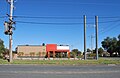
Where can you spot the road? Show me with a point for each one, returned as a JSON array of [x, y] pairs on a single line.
[[47, 71]]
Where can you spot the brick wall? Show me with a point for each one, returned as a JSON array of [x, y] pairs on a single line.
[[27, 49]]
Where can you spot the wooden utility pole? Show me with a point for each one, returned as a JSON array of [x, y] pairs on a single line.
[[9, 28], [84, 37], [96, 23]]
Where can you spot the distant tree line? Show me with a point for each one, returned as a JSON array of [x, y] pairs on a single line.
[[112, 45], [2, 49]]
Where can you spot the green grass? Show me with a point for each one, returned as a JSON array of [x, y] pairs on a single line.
[[63, 62]]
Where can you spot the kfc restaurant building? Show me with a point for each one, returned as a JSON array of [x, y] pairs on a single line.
[[57, 51]]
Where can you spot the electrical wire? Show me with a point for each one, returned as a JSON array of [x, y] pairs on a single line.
[[49, 23], [48, 17], [64, 17], [103, 27], [107, 17], [64, 23], [60, 17], [110, 21], [78, 2], [109, 29], [3, 16]]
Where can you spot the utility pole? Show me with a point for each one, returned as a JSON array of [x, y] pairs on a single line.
[[84, 37], [10, 48], [96, 23], [10, 36], [9, 28]]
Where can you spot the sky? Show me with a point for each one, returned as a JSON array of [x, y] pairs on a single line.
[[60, 21]]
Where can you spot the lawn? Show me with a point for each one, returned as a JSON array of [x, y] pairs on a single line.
[[101, 61]]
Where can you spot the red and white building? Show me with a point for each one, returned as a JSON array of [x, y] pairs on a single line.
[[54, 50], [50, 50]]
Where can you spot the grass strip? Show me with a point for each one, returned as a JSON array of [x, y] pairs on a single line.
[[62, 62]]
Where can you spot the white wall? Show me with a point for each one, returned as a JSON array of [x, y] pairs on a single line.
[[63, 48]]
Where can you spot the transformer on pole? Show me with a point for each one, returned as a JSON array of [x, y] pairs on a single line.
[[8, 28]]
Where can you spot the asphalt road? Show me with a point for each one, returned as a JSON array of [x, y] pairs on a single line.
[[47, 71]]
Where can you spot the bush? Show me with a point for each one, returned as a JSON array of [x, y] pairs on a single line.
[[92, 55]]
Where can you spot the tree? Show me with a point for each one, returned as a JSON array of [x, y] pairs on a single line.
[[43, 44], [73, 55], [100, 51], [75, 52], [88, 50], [2, 49], [20, 54], [119, 37], [118, 45], [43, 55], [110, 44], [38, 55], [113, 46], [106, 43], [32, 54]]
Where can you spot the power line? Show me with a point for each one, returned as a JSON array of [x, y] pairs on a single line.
[[109, 17], [110, 21], [64, 23], [109, 29], [49, 23], [3, 16], [77, 2], [103, 27], [48, 17], [62, 17]]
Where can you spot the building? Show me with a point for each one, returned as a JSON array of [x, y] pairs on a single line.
[[58, 51], [48, 51], [28, 50]]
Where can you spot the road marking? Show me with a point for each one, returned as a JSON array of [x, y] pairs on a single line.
[[111, 65], [59, 72]]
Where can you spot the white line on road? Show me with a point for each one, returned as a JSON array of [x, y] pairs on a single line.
[[59, 72]]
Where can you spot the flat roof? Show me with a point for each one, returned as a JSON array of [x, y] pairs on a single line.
[[41, 45], [29, 45]]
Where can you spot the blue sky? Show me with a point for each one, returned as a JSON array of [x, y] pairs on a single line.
[[36, 34]]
